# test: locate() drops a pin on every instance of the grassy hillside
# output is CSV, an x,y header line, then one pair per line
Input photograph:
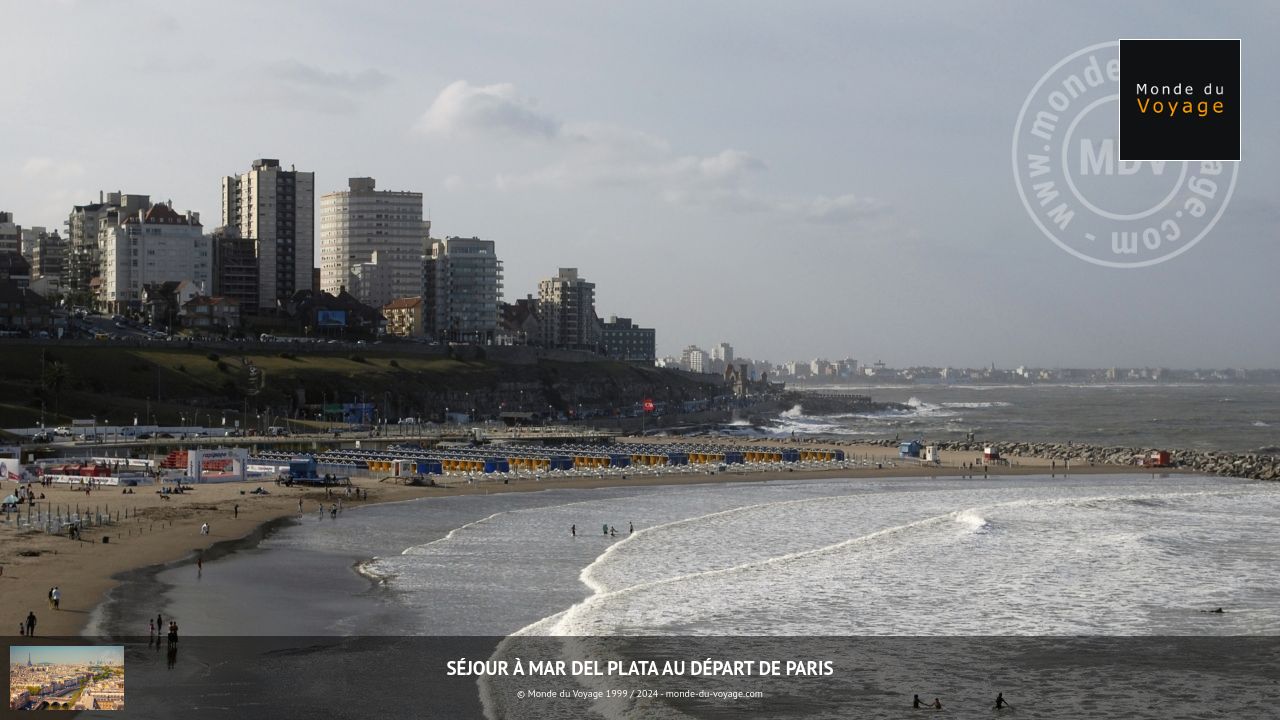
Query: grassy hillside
x,y
118,383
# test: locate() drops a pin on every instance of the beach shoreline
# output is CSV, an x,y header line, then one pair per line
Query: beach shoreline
x,y
161,534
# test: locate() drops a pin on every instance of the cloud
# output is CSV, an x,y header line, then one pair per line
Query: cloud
x,y
589,155
463,108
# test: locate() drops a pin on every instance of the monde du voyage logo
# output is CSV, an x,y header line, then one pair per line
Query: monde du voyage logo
x,y
1129,169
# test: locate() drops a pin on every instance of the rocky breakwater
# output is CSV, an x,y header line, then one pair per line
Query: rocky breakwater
x,y
1256,466
834,403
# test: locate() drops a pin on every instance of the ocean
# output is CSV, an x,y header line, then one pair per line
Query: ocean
x,y
1024,555
1227,417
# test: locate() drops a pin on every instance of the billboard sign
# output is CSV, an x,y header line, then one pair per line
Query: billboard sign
x,y
331,318
10,464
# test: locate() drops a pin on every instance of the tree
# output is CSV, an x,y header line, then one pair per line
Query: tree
x,y
54,377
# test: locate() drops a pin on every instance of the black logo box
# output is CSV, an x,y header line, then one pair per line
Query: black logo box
x,y
1180,64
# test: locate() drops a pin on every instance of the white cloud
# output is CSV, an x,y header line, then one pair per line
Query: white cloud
x,y
588,155
463,108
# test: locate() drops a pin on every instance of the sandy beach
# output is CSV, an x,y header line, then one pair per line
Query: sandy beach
x,y
159,531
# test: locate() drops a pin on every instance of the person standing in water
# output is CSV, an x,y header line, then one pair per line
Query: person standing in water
x,y
573,530
937,704
1000,703
916,702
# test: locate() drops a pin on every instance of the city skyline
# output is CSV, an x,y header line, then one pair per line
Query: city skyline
x,y
834,171
66,654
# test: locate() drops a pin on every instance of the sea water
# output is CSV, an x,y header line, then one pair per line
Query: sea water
x,y
1027,555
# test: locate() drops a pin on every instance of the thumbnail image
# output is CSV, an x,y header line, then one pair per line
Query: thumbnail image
x,y
66,677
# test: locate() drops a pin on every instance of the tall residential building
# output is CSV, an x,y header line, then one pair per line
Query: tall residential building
x,y
622,339
154,246
722,352
371,242
10,233
85,227
567,304
235,268
276,209
46,251
462,284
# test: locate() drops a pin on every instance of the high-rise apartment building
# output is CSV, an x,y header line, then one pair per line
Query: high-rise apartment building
x,y
371,242
462,289
235,268
567,304
275,208
152,247
85,227
45,251
10,233
722,352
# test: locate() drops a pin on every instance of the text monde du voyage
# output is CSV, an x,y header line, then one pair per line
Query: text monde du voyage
x,y
1180,99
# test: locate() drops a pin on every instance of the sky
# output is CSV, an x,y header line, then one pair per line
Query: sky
x,y
819,179
67,654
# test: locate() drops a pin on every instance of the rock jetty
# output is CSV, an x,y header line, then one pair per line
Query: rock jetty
x,y
1256,466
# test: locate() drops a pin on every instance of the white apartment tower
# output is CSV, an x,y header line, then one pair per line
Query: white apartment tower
x,y
371,242
153,246
276,209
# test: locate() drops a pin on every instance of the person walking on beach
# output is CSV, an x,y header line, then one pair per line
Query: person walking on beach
x,y
56,594
299,506
204,529
1000,703
236,511
200,565
31,624
151,630
50,598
